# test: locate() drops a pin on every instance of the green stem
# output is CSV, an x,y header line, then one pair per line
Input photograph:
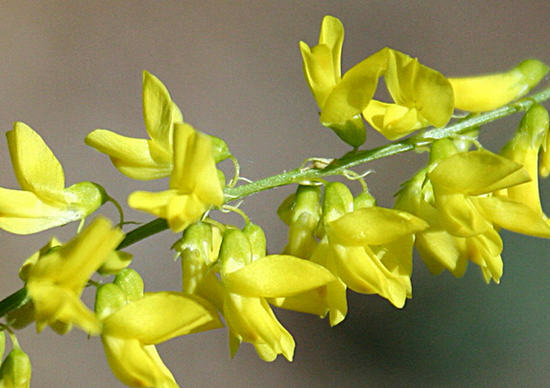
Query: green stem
x,y
354,158
14,301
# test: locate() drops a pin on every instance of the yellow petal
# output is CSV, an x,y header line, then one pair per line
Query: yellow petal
x,y
363,272
252,320
160,316
414,85
154,203
194,166
351,96
488,92
459,216
22,212
71,265
440,250
477,172
392,120
332,35
158,111
322,62
276,276
53,303
35,166
374,226
133,157
136,365
514,216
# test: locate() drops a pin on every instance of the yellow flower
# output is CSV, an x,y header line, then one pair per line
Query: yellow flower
x,y
194,183
461,185
488,92
248,278
460,195
440,249
133,322
144,158
322,70
43,202
302,213
151,158
422,96
371,247
55,282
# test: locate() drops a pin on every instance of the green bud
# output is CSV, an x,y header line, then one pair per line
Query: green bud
x,y
235,251
442,149
15,371
220,150
303,221
308,200
534,71
364,200
130,283
195,248
256,237
90,196
535,123
109,298
338,201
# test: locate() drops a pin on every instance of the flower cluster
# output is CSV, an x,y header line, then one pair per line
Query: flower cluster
x,y
451,210
422,96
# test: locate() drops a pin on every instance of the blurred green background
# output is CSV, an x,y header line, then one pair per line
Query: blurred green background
x,y
234,69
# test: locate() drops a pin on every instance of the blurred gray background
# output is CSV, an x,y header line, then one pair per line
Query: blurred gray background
x,y
234,69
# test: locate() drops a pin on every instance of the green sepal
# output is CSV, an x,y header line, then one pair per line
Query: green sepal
x,y
351,131
130,282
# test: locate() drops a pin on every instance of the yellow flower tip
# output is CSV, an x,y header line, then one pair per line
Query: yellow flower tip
x,y
43,202
533,71
488,92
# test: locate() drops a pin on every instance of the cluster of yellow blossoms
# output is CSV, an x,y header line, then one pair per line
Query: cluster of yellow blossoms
x,y
451,210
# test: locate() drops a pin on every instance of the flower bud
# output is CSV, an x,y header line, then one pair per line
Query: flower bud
x,y
90,196
131,283
256,237
364,200
338,201
108,299
303,219
235,251
16,369
198,249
